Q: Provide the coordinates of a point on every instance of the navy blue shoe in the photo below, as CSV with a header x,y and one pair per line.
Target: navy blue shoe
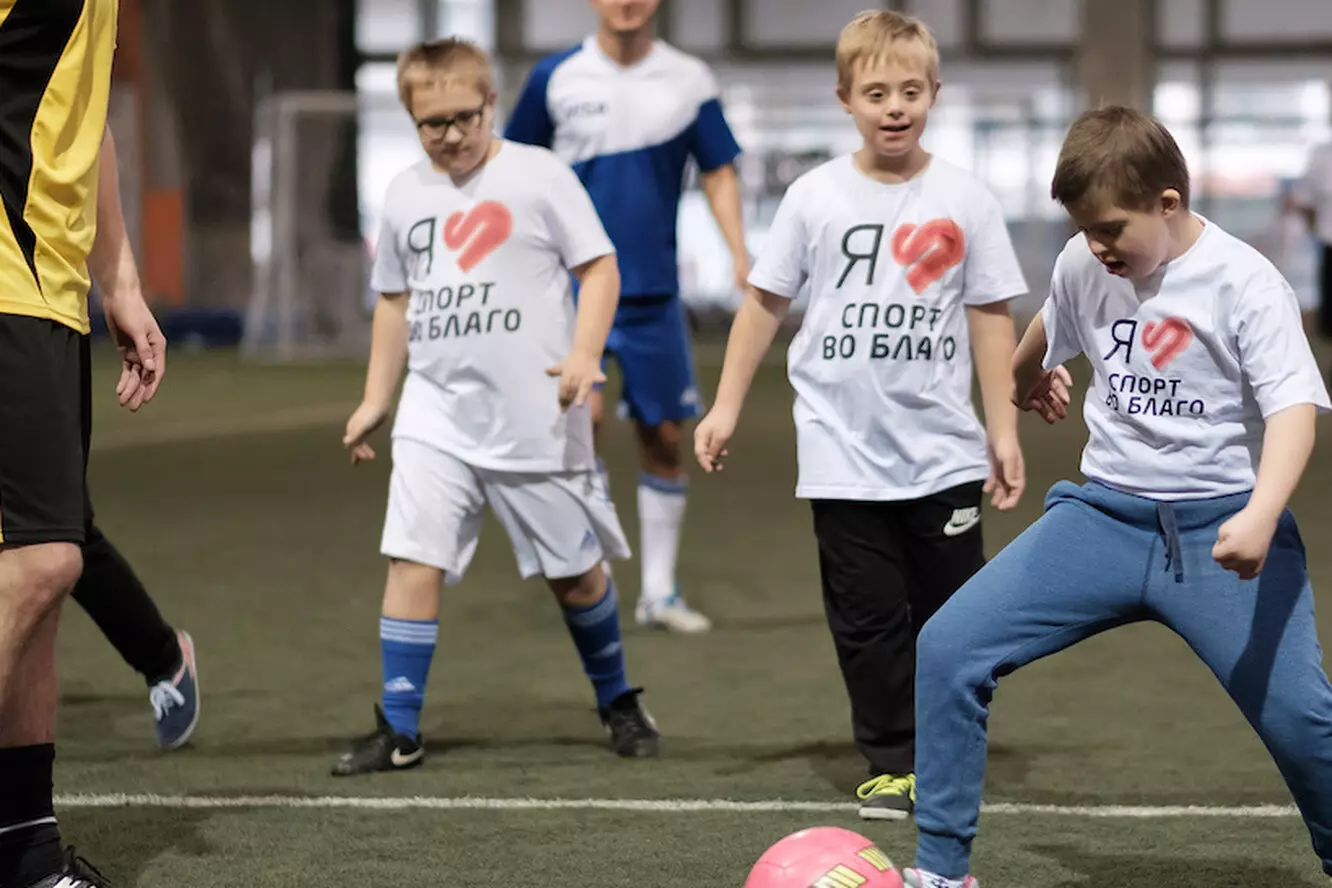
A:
x,y
176,699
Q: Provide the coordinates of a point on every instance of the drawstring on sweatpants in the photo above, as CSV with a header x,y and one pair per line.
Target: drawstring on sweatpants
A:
x,y
1174,553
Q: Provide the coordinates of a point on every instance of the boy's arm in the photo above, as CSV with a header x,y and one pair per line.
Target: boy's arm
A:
x,y
722,188
756,324
1243,541
388,357
598,297
1281,371
993,343
1035,388
715,148
1028,359
1288,442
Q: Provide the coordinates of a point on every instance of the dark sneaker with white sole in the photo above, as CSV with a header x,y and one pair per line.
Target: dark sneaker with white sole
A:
x,y
632,731
887,797
384,750
175,699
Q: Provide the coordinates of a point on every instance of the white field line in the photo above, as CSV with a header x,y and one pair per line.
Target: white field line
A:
x,y
655,806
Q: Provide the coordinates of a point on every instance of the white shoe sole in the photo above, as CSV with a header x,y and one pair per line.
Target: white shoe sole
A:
x,y
692,625
868,813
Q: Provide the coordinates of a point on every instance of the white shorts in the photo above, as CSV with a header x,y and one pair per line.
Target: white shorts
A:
x,y
562,524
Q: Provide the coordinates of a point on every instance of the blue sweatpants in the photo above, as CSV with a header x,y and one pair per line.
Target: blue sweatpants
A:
x,y
1095,560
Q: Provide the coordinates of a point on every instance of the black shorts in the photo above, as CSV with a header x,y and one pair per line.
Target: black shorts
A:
x,y
45,427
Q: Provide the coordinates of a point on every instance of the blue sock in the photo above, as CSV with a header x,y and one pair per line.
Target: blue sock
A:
x,y
596,634
408,646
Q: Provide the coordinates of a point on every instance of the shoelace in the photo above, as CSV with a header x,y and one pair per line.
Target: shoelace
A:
x,y
883,785
164,696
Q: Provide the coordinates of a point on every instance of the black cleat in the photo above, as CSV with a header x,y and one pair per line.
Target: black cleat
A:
x,y
76,873
383,750
633,733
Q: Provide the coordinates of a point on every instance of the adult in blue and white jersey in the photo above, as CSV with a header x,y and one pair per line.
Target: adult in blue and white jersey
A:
x,y
627,111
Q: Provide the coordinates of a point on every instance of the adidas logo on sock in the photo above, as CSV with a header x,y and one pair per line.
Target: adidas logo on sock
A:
x,y
399,685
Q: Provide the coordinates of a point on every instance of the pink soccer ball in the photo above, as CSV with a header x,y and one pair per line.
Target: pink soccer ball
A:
x,y
824,857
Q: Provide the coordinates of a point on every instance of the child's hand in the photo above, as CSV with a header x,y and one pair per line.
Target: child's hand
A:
x,y
710,437
1243,541
1008,473
1048,395
578,374
365,420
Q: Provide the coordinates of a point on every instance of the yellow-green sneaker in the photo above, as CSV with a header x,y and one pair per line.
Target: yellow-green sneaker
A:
x,y
887,797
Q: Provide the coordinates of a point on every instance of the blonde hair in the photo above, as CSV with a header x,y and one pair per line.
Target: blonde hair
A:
x,y
439,61
878,34
1127,155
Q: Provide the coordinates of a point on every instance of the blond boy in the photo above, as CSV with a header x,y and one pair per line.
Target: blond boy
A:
x,y
909,269
478,243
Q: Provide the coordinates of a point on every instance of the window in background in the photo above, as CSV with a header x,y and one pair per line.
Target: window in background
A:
x,y
471,19
387,26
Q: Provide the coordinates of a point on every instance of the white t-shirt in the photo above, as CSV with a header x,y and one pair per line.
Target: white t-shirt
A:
x,y
491,307
881,366
1186,367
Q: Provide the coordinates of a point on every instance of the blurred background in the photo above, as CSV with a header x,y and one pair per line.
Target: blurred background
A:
x,y
260,135
257,138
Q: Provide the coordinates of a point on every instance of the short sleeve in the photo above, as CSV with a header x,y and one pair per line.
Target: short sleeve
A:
x,y
575,228
783,261
1062,342
530,121
1274,351
713,144
991,272
389,272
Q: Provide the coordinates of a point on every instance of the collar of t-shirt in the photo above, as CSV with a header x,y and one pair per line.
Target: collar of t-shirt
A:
x,y
593,45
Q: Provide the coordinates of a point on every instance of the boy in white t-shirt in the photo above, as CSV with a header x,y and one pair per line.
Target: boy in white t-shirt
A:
x,y
910,269
1201,421
478,244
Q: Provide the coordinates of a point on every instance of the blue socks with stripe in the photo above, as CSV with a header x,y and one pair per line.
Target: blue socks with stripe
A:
x,y
408,647
596,634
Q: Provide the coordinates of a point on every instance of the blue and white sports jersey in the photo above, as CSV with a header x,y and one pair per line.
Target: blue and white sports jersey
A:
x,y
627,133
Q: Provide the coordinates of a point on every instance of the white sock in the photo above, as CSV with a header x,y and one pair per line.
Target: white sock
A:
x,y
661,510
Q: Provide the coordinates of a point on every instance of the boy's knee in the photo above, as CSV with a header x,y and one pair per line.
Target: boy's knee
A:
x,y
661,446
942,653
412,591
39,576
581,591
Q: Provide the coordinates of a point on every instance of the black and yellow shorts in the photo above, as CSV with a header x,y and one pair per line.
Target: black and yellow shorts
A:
x,y
45,426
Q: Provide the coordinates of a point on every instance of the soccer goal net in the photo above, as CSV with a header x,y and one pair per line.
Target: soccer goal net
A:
x,y
311,264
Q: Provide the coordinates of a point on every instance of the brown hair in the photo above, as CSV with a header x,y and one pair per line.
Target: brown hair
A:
x,y
878,34
442,60
1126,155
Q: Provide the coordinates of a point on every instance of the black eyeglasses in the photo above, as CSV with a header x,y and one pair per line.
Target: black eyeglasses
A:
x,y
438,127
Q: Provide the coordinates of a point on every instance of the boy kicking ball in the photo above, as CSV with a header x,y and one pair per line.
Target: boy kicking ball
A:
x,y
473,266
1201,421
